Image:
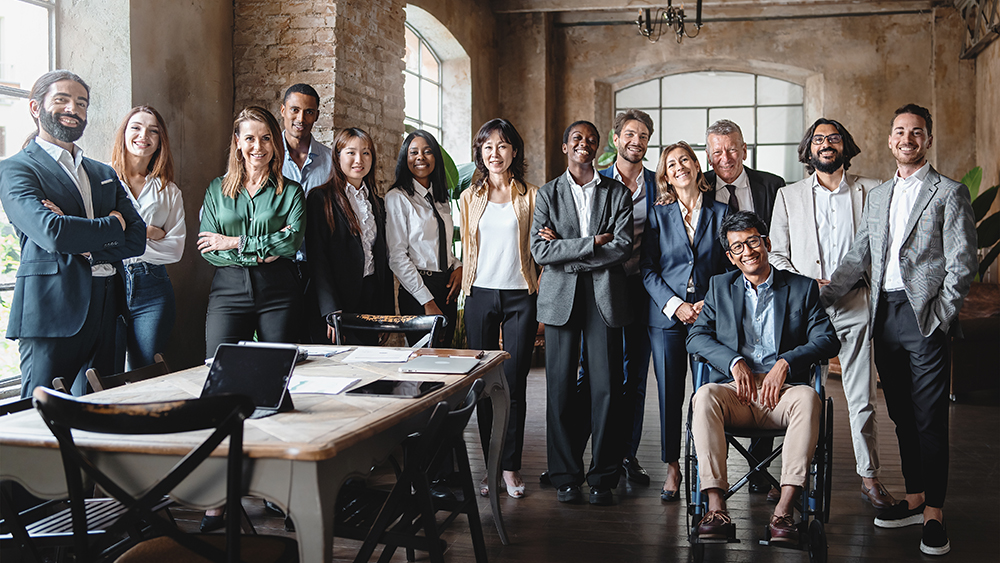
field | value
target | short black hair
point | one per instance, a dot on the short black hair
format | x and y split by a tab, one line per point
851	149
300	88
915	110
581	122
739	222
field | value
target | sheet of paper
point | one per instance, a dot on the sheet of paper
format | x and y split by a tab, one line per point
376	354
322	385
324	350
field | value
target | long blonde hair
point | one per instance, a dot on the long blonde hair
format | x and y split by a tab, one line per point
161	165
236	172
666	194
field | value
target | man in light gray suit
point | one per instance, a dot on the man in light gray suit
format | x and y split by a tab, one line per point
918	239
581	236
813	224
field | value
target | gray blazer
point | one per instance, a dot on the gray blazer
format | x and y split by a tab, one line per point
794	237
937	259
562	259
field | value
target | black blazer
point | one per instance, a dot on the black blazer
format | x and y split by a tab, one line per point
763	188
336	260
803	332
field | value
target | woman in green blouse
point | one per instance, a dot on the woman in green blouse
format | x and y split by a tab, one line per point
252	222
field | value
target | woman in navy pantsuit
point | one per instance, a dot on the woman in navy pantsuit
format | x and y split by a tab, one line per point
680	252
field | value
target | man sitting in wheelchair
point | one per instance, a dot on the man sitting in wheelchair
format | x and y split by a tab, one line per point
761	328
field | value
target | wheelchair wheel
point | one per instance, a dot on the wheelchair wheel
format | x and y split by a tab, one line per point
828	459
817	542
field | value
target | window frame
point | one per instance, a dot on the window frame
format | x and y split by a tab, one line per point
438	82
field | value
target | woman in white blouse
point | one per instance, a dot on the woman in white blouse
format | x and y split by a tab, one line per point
141	157
419	231
501	279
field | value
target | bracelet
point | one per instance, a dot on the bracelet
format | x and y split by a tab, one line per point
242	244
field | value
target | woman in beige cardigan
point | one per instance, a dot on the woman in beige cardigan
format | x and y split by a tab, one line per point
500	278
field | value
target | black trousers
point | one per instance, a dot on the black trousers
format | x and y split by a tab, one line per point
595	407
914	370
265	299
487	312
44	359
437	283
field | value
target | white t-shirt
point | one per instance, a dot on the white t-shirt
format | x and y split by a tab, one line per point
499	264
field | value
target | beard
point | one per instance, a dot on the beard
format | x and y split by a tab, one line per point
50	123
624	153
827	167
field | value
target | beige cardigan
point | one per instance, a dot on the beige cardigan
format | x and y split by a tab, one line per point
472	205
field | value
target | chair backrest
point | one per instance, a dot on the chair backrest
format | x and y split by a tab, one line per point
444	426
100	383
385	323
223	413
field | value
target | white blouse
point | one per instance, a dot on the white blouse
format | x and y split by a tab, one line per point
499	263
363	211
164	209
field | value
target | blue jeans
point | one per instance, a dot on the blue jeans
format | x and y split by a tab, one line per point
145	327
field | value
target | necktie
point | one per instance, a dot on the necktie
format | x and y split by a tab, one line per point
734	204
442	243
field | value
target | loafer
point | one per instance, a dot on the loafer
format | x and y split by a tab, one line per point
212	523
900	515
569	494
634	472
773	495
544	479
601	496
716	525
934	540
440	490
782	529
878	496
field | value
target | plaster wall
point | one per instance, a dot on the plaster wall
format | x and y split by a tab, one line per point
988	125
94	43
863	69
192	88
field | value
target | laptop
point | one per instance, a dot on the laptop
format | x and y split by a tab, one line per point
439	364
261	372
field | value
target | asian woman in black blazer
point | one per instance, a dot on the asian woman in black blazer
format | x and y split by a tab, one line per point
345	238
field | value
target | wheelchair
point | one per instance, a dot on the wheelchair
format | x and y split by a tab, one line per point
813	504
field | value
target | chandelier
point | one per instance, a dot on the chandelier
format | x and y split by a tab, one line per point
651	22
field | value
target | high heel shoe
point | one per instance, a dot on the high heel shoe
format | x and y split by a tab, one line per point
671	496
212	523
484	488
514	491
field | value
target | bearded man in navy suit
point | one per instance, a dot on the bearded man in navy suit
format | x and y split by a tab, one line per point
75	224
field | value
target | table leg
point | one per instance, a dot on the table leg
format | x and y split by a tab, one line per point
496	390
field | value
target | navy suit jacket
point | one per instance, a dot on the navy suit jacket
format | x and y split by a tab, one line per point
639	301
803	332
669	260
763	188
52	292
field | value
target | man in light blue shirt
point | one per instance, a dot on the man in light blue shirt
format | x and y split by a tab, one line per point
307	161
760	329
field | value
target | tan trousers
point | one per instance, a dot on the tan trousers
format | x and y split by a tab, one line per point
716	406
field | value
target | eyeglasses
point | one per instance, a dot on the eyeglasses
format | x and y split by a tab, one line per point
834	139
755	241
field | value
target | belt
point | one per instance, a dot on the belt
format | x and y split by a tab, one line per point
860	284
429	273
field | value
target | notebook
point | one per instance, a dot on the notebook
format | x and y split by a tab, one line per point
261	372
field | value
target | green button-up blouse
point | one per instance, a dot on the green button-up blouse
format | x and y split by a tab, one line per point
259	221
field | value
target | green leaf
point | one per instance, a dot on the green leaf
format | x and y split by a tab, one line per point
450	172
985	264
466	172
972	179
982	204
988	232
606	159
408	128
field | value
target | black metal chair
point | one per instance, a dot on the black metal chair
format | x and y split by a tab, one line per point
814	504
364	322
162	541
395	517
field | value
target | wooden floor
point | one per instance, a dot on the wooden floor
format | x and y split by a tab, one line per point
641	528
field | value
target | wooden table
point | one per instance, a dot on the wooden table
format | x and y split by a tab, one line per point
298	459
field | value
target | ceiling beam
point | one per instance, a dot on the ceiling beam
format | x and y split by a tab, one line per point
731	8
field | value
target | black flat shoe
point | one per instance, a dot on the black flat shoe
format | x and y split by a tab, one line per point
671	496
212	523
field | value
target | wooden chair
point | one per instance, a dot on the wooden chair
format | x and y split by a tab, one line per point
224	415
394	518
340	320
100	383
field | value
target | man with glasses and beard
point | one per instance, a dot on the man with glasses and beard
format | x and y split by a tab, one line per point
812	227
76	224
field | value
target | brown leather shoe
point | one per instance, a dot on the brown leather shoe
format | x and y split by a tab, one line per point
783	529
716	524
774	495
878	496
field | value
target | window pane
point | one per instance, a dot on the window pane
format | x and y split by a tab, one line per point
24	51
645	95
15	125
772	91
683	125
708	89
741	116
781	160
652	158
779	125
411	91
412	51
429	105
428	64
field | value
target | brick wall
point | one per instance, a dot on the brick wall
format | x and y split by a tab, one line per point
349	50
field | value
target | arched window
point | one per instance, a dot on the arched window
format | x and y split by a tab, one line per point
422	86
768	110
